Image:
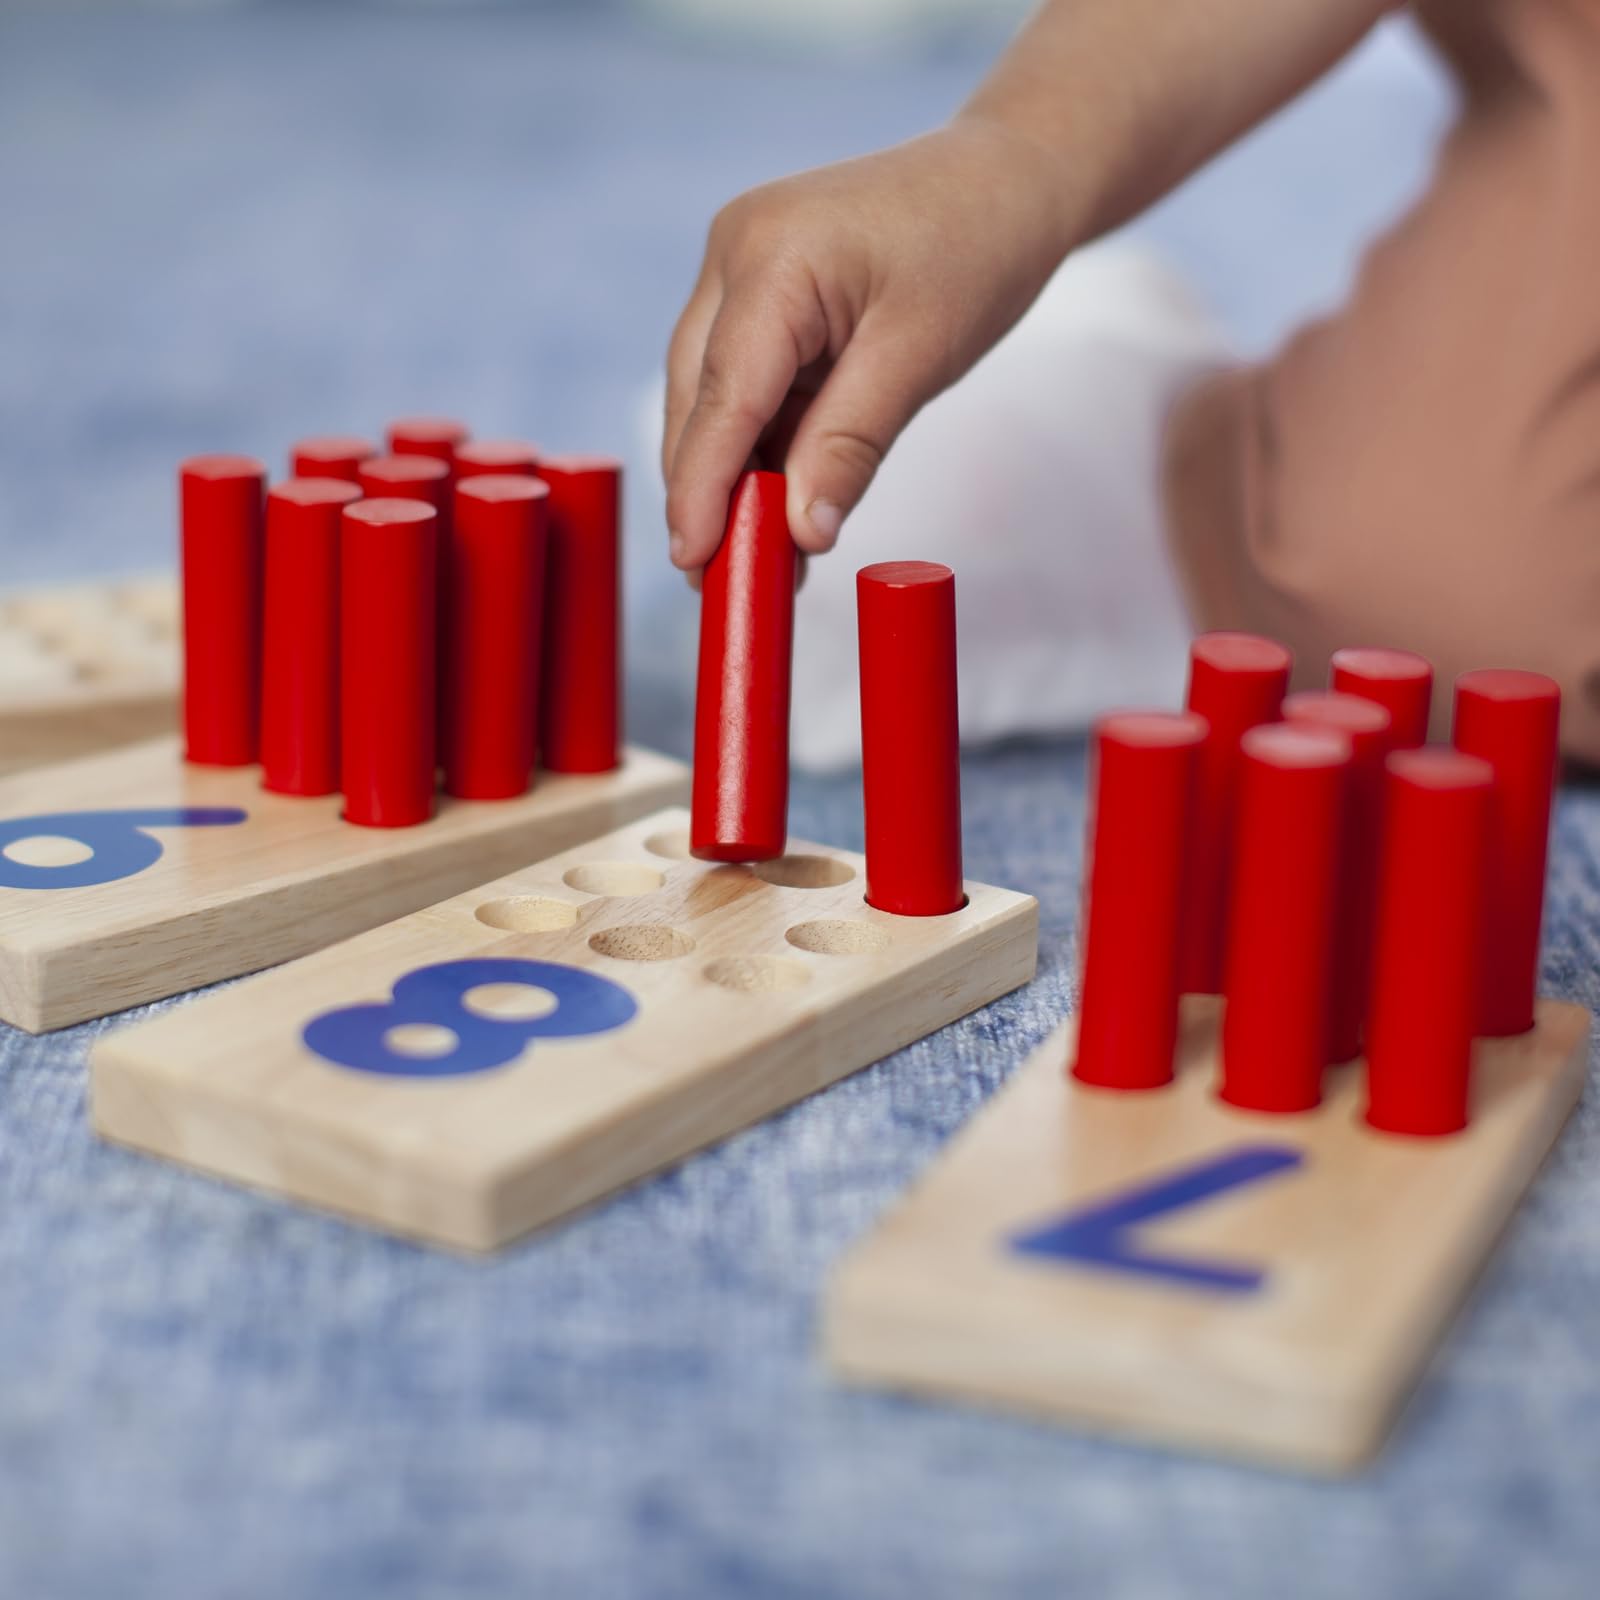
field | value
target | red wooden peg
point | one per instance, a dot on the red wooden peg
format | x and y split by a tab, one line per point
740	800
331	457
1292	786
1398	680
437	437
910	737
388	621
580	710
1428	938
300	636
1512	721
414	477
500	457
1236	680
490	679
1366	724
1138	834
220	513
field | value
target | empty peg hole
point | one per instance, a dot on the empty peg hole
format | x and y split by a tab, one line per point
674	846
837	937
641	941
427	1041
527	913
804	872
47	850
613	877
756	973
509	1002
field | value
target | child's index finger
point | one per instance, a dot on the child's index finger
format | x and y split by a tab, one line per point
752	356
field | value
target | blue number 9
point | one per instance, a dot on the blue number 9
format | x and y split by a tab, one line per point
116	840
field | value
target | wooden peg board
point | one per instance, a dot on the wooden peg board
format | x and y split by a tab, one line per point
690	1000
198	874
1162	1264
86	667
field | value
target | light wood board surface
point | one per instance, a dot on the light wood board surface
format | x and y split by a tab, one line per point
1361	1245
735	991
84	667
232	897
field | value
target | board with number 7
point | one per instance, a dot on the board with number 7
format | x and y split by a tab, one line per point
496	1061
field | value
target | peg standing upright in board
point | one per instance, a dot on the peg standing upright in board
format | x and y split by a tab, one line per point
388	617
1512	720
1369	728
490	668
435	437
1236	681
580	694
910	737
331	456
1144	766
221	519
300	636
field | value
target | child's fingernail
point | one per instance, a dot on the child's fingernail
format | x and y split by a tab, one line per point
675	548
825	518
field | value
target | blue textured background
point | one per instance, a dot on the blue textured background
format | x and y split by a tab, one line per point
223	230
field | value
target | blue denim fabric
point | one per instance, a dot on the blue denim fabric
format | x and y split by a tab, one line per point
223	232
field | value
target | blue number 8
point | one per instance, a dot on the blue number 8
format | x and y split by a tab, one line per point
357	1036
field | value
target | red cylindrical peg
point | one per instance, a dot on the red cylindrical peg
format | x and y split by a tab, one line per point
414	477
388	616
910	737
1512	721
220	514
1398	680
1236	680
332	457
580	712
1429	935
1366	724
1138	835
300	636
739	808
500	457
490	680
427	479
1292	784
438	437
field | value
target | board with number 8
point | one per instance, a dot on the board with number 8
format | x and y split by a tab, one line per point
493	1062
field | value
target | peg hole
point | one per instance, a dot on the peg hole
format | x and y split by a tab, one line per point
752	974
673	846
804	872
837	937
613	878
527	913
641	941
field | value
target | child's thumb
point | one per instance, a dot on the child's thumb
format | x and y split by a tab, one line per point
847	430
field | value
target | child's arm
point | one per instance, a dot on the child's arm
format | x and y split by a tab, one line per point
833	305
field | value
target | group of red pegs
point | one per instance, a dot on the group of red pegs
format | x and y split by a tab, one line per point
910	738
1348	889
379	619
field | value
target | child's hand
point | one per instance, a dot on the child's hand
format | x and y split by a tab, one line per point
833	305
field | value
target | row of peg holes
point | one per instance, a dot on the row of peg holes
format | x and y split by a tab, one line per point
649	941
